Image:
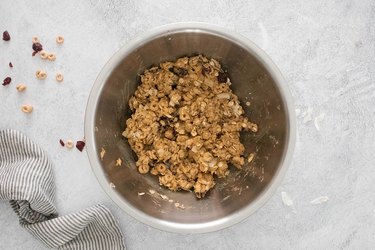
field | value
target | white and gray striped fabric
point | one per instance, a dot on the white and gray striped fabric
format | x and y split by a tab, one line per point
26	180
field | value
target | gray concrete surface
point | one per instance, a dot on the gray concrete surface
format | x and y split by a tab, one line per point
326	51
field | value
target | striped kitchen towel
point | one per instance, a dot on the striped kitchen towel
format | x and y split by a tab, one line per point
26	180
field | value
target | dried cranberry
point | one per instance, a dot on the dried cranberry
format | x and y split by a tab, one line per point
62	143
7	81
206	71
37	47
80	145
174	86
10	65
179	71
222	77
34	53
6	36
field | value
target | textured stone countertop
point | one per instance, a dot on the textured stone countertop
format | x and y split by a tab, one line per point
325	50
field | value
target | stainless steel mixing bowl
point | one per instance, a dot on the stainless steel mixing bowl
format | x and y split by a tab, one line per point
255	79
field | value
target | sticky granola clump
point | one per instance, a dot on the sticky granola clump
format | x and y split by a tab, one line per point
186	123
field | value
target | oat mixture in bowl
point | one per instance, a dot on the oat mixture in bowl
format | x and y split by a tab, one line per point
186	124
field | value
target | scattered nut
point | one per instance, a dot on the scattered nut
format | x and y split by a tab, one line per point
27	108
44	54
21	87
118	162
41	74
69	144
59	77
35	39
102	153
51	57
60	39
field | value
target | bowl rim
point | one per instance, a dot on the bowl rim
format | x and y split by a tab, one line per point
89	129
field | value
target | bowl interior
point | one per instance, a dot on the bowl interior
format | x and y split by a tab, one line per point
250	81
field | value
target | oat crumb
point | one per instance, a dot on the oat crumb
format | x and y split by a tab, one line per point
250	158
317	120
164	197
41	74
59	77
60	39
69	144
286	199
43	54
27	108
118	162
21	87
102	153
141	193
319	200
35	39
178	205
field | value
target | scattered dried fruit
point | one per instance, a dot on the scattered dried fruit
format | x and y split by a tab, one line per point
37	47
27	108
80	145
206	71
222	77
7	81
21	87
60	39
41	74
102	153
6	36
51	57
35	39
62	143
181	72
118	162
44	54
59	77
69	144
10	65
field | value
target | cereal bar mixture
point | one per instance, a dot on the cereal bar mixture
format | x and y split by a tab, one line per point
186	123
